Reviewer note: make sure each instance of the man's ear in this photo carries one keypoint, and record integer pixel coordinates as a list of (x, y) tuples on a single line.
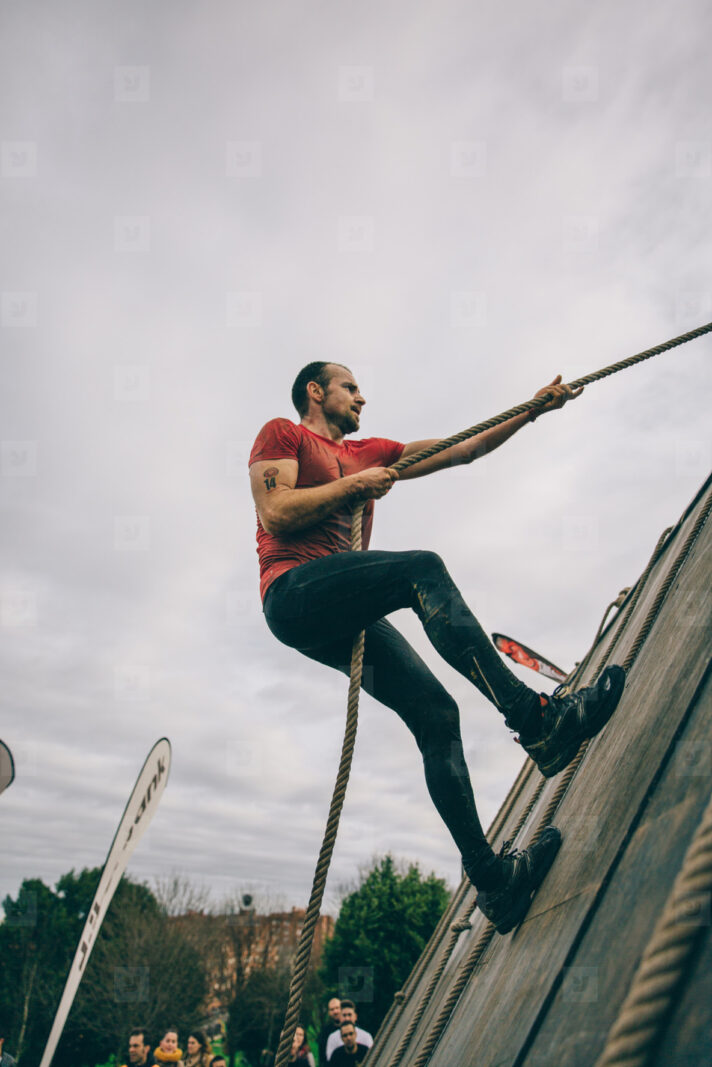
[(315, 391)]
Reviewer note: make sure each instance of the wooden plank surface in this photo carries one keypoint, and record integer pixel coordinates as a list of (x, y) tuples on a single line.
[(598, 972), (503, 1016), (520, 795), (521, 970)]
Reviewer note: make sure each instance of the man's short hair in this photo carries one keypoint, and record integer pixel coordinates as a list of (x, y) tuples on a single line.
[(313, 372), (143, 1032), (348, 1004), (349, 1023)]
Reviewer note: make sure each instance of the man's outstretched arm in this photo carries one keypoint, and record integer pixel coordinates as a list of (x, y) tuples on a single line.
[(284, 509), (487, 441)]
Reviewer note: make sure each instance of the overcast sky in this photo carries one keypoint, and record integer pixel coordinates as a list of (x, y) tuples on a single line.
[(458, 201)]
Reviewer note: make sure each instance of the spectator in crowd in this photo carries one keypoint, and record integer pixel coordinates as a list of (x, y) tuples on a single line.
[(6, 1060), (301, 1052), (351, 1052), (218, 1061), (168, 1051), (198, 1051), (348, 1015), (330, 1026), (139, 1048)]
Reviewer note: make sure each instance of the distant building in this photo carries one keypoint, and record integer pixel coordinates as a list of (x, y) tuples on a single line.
[(236, 945), (273, 939)]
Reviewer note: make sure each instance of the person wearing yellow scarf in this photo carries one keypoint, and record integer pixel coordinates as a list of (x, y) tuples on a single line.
[(168, 1051)]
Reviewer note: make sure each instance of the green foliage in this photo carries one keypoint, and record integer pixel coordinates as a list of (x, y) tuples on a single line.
[(255, 1017), (257, 1011), (148, 966), (381, 931), (143, 970), (35, 941), (139, 963)]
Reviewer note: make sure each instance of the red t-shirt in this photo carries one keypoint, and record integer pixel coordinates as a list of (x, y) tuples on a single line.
[(320, 461)]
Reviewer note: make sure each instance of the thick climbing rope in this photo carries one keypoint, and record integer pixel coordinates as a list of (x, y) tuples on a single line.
[(674, 937), (665, 959), (622, 620), (457, 927), (301, 961), (669, 579), (581, 667), (470, 963), (303, 954), (539, 402), (401, 997)]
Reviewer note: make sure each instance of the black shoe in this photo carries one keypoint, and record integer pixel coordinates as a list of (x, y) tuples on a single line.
[(569, 720), (523, 874)]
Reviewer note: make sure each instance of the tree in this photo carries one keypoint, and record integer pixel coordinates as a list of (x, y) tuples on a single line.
[(143, 970), (34, 949), (256, 1014), (260, 964), (382, 928), (141, 965)]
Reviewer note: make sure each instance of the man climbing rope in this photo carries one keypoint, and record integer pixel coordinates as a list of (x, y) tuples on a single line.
[(318, 595)]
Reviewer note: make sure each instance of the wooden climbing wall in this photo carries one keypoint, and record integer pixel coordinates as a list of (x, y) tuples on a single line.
[(548, 993)]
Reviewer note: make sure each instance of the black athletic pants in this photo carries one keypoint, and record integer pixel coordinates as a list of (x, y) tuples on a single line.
[(320, 606)]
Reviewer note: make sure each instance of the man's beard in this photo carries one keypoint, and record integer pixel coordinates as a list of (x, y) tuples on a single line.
[(348, 422)]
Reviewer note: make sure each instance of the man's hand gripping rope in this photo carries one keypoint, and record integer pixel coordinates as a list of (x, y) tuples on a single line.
[(375, 482)]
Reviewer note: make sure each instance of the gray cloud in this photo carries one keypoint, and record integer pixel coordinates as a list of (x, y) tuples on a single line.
[(457, 204)]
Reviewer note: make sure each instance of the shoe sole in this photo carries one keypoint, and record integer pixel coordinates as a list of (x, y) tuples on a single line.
[(548, 847), (565, 755)]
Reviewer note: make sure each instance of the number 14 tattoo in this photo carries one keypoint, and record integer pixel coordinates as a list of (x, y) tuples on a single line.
[(270, 477)]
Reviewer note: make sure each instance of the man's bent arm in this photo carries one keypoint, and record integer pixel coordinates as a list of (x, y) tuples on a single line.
[(284, 509)]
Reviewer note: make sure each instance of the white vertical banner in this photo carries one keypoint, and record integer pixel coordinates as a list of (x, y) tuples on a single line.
[(137, 815), (7, 767)]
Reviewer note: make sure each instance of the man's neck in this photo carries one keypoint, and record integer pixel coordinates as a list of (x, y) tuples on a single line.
[(321, 425)]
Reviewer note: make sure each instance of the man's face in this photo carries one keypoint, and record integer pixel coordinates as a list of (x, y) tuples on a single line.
[(348, 1015), (342, 401), (348, 1036), (137, 1049), (335, 1009)]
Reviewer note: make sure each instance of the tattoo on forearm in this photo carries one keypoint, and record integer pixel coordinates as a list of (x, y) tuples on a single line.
[(270, 477)]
